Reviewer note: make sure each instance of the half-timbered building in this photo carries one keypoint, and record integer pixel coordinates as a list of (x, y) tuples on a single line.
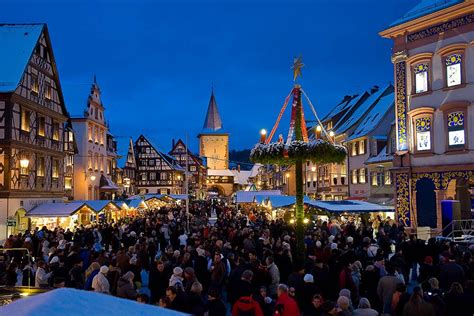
[(157, 172), (196, 169), (36, 144)]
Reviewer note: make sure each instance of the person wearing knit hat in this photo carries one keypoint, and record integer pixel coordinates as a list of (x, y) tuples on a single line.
[(318, 244), (176, 278), (333, 246), (104, 269), (308, 278), (344, 305), (350, 240)]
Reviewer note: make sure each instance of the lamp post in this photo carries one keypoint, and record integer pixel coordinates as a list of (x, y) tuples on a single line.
[(263, 135), (318, 132), (24, 163), (287, 175)]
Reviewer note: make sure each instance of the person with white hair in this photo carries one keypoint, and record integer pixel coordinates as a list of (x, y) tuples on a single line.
[(100, 283), (364, 308)]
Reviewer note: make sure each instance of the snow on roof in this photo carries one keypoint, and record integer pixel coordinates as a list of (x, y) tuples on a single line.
[(347, 119), (349, 206), (351, 118), (99, 205), (346, 102), (254, 170), (56, 209), (241, 177), (383, 156), (249, 196), (67, 301), (220, 172), (423, 8), (279, 200), (374, 116), (136, 203), (17, 42), (178, 196)]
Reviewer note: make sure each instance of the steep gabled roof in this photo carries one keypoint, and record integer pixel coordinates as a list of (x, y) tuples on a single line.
[(374, 116), (348, 119), (168, 159), (345, 104), (213, 120), (423, 8), (131, 154), (190, 154), (17, 42)]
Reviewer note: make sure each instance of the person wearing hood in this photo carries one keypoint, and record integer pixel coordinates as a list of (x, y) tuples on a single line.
[(100, 283), (91, 272), (125, 286), (176, 278)]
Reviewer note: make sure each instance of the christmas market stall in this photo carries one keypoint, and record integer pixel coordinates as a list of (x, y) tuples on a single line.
[(65, 215), (133, 206), (107, 210)]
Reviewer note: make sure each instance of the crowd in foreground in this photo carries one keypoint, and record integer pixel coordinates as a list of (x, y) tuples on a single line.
[(246, 265)]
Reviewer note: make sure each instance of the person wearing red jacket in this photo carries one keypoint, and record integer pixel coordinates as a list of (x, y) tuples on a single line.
[(285, 305), (246, 305)]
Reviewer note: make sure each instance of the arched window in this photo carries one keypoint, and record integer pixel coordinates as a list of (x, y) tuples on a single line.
[(420, 67), (455, 120), (422, 129), (452, 60)]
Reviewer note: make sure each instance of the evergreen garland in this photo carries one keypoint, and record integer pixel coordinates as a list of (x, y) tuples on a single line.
[(316, 151)]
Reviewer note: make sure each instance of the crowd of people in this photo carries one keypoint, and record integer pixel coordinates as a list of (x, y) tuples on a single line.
[(246, 265)]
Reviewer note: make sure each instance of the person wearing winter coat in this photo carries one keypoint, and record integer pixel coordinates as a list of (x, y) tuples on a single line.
[(100, 283), (246, 305), (41, 277), (176, 278), (91, 272), (196, 304), (274, 276), (386, 287), (364, 308), (285, 305), (158, 281), (215, 305), (125, 286)]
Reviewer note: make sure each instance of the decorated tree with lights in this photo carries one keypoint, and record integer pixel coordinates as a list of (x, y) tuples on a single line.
[(297, 149)]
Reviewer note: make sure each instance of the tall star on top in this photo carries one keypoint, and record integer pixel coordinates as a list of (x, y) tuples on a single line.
[(297, 65)]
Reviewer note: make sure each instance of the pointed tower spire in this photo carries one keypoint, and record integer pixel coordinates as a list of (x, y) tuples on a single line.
[(213, 120), (131, 155)]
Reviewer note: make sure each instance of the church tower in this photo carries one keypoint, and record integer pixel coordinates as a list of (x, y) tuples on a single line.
[(213, 141)]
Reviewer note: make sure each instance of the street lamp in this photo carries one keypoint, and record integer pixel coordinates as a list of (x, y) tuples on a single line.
[(93, 177), (263, 135), (287, 175), (313, 168), (24, 163), (318, 132)]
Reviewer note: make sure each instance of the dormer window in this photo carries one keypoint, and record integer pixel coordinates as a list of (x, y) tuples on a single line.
[(421, 78), (453, 70)]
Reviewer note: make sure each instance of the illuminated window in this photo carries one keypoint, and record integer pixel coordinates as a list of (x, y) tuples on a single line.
[(56, 131), (373, 175), (362, 178), (40, 167), (96, 135), (41, 126), (192, 168), (68, 183), (101, 162), (354, 176), (55, 169), (152, 176), (34, 84), (456, 133), (25, 120), (163, 176), (453, 70), (89, 160), (423, 133), (421, 78), (47, 91), (89, 132), (388, 177), (96, 162), (102, 137), (354, 149), (362, 147)]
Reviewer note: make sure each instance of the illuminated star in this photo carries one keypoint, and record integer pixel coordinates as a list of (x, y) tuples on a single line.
[(297, 65)]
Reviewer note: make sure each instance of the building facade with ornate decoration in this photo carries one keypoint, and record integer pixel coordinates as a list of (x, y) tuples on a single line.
[(36, 139), (433, 58), (96, 173)]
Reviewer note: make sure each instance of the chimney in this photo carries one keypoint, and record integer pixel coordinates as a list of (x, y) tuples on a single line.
[(374, 89), (238, 168)]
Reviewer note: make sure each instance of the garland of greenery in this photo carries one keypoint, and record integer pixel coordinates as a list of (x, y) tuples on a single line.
[(316, 151)]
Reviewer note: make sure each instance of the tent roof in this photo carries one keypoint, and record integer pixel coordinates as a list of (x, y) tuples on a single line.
[(249, 196), (67, 301), (56, 209), (349, 206), (279, 200), (99, 205), (220, 172), (18, 42)]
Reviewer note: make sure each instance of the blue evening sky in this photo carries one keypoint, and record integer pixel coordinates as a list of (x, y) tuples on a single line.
[(156, 61)]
